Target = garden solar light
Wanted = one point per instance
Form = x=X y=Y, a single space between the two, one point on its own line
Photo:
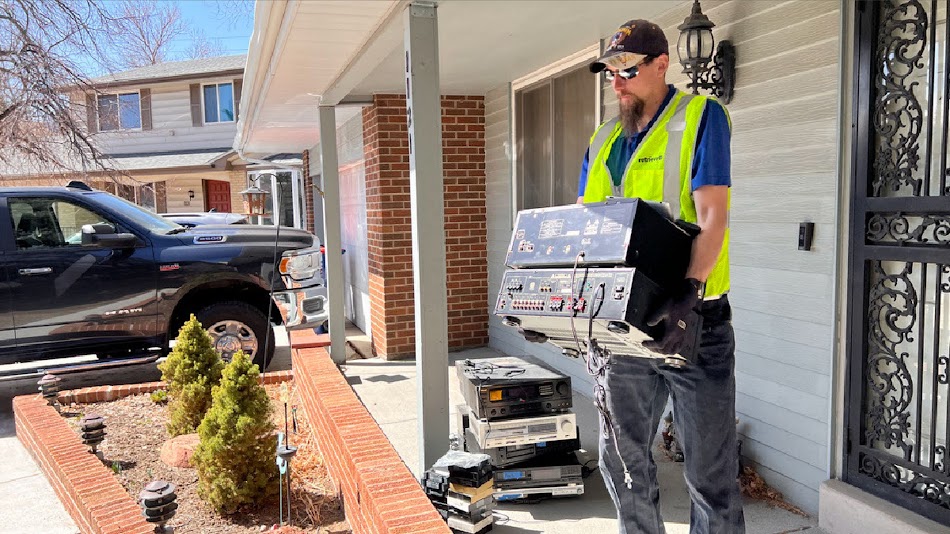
x=158 y=504
x=285 y=453
x=93 y=432
x=49 y=387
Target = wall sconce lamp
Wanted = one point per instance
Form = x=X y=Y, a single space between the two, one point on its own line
x=695 y=50
x=191 y=194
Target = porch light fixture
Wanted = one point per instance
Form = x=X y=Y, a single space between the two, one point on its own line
x=254 y=198
x=695 y=50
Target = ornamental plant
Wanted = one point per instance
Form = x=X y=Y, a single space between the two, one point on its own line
x=190 y=372
x=235 y=454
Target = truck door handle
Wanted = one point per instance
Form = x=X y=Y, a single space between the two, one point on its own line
x=37 y=271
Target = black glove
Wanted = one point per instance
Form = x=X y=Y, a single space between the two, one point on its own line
x=673 y=314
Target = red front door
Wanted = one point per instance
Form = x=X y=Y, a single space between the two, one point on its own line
x=217 y=196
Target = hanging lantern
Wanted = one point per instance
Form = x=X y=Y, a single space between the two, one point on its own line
x=254 y=199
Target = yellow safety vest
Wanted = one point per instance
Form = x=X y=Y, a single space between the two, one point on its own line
x=660 y=170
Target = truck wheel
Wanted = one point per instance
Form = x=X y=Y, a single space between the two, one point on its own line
x=238 y=326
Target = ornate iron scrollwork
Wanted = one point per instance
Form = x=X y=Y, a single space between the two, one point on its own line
x=898 y=114
x=901 y=228
x=719 y=78
x=892 y=315
x=917 y=484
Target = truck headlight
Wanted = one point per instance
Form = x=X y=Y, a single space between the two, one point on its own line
x=300 y=265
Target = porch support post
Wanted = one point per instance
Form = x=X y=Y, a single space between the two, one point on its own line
x=331 y=227
x=424 y=110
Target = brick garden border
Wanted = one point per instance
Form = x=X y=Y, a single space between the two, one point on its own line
x=92 y=496
x=380 y=494
x=111 y=393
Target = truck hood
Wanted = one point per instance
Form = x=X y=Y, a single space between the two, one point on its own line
x=246 y=234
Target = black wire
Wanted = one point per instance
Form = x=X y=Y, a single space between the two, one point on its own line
x=573 y=303
x=273 y=274
x=590 y=314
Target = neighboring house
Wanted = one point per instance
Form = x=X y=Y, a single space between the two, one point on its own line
x=168 y=129
x=839 y=119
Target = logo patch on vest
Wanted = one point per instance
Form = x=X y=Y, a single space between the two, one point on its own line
x=650 y=160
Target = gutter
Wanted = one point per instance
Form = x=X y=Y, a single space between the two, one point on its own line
x=260 y=67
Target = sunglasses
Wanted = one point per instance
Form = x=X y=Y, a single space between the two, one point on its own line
x=626 y=74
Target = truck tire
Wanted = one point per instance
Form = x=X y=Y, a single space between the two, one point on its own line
x=236 y=325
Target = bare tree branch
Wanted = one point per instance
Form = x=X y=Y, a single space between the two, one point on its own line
x=39 y=128
x=233 y=11
x=202 y=47
x=145 y=31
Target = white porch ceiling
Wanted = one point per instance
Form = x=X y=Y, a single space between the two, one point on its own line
x=305 y=51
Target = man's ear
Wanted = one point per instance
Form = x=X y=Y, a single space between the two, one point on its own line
x=662 y=65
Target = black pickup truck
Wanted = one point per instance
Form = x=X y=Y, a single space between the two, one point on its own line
x=86 y=272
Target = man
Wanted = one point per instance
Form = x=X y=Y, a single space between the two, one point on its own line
x=672 y=147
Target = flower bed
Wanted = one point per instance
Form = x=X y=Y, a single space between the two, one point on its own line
x=135 y=427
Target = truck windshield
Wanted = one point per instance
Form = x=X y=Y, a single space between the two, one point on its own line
x=140 y=216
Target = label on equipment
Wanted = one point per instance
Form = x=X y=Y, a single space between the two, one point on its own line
x=551 y=228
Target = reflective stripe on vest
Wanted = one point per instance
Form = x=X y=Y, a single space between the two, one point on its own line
x=659 y=170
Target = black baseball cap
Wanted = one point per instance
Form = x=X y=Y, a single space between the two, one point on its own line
x=634 y=41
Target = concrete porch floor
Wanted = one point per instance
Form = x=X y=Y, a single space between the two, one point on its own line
x=388 y=389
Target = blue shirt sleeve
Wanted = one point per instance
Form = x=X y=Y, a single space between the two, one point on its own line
x=712 y=163
x=582 y=179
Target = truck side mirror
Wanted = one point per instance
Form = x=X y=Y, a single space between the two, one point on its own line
x=103 y=234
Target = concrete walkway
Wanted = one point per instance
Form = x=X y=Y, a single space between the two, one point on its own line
x=388 y=389
x=27 y=501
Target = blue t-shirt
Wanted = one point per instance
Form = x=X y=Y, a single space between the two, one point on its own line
x=711 y=162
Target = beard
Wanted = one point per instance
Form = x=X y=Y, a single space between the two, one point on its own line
x=630 y=114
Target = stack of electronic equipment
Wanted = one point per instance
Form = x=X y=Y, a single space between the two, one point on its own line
x=596 y=271
x=460 y=486
x=518 y=413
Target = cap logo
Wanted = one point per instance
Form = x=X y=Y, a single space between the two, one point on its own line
x=617 y=39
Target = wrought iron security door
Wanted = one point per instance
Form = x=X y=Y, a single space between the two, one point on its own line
x=898 y=423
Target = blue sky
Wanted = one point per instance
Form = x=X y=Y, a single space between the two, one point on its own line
x=232 y=32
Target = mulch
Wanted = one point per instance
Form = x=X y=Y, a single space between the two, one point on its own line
x=135 y=432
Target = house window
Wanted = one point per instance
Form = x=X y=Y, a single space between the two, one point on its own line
x=554 y=119
x=119 y=112
x=219 y=102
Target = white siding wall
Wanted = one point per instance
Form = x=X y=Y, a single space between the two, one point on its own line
x=171 y=124
x=785 y=138
x=353 y=224
x=785 y=149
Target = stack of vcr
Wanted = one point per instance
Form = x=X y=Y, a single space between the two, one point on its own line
x=519 y=414
x=460 y=486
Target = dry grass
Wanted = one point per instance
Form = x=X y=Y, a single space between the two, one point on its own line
x=313 y=492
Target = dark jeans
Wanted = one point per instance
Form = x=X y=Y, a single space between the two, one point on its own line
x=704 y=397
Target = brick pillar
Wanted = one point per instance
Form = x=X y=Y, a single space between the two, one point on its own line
x=308 y=192
x=466 y=234
x=389 y=226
